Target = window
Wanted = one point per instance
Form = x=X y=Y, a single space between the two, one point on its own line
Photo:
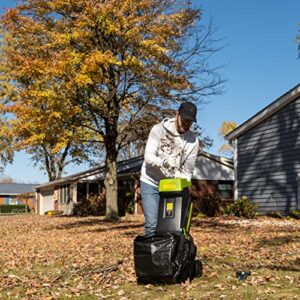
x=65 y=194
x=81 y=191
x=13 y=201
x=225 y=189
x=93 y=188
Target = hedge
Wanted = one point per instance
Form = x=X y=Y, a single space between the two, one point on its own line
x=6 y=208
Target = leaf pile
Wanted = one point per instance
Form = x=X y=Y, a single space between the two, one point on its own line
x=89 y=258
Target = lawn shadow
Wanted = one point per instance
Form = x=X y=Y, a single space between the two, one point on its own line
x=87 y=222
x=198 y=225
x=118 y=227
x=293 y=266
x=131 y=234
x=278 y=241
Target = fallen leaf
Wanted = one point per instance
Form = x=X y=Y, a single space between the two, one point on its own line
x=121 y=293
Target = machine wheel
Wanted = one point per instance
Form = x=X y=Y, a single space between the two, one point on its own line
x=198 y=268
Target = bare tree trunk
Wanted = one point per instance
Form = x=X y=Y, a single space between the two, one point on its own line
x=111 y=184
x=111 y=181
x=50 y=166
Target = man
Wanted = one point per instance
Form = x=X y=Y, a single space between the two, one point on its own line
x=171 y=152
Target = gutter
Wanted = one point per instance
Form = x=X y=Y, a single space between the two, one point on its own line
x=224 y=161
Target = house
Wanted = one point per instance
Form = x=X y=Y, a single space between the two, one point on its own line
x=17 y=193
x=267 y=155
x=64 y=193
x=212 y=173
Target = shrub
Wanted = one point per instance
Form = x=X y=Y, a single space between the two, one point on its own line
x=93 y=206
x=295 y=214
x=208 y=204
x=200 y=215
x=7 y=208
x=242 y=207
x=129 y=202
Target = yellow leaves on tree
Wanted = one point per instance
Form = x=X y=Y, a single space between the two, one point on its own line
x=226 y=128
x=123 y=63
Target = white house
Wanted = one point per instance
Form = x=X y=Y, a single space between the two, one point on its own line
x=211 y=172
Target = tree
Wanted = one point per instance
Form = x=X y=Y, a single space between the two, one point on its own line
x=45 y=121
x=123 y=63
x=226 y=128
x=49 y=134
x=6 y=179
x=6 y=152
x=47 y=130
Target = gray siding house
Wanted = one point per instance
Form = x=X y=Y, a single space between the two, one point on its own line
x=267 y=155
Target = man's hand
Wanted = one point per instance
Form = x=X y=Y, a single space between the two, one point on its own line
x=172 y=161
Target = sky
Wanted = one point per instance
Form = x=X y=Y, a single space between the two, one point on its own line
x=260 y=62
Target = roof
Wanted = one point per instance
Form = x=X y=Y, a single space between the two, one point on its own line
x=269 y=110
x=16 y=188
x=125 y=167
x=222 y=160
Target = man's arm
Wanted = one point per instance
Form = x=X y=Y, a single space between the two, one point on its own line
x=152 y=146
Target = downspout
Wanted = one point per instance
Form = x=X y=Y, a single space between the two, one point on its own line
x=235 y=163
x=36 y=205
x=298 y=196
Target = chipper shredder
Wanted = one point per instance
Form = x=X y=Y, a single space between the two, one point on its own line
x=170 y=255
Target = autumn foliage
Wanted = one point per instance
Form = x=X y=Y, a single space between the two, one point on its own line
x=100 y=72
x=225 y=129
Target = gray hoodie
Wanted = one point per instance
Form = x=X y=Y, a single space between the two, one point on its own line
x=163 y=141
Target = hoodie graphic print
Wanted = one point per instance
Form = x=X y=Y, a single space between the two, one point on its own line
x=164 y=140
x=167 y=147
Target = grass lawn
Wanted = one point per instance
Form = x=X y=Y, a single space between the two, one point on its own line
x=88 y=258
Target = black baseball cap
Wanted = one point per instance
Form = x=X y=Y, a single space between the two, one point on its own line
x=188 y=111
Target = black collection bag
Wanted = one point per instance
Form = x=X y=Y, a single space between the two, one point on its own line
x=165 y=258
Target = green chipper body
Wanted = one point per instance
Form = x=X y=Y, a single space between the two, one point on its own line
x=175 y=206
x=169 y=256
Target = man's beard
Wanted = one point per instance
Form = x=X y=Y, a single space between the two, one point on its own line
x=179 y=127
